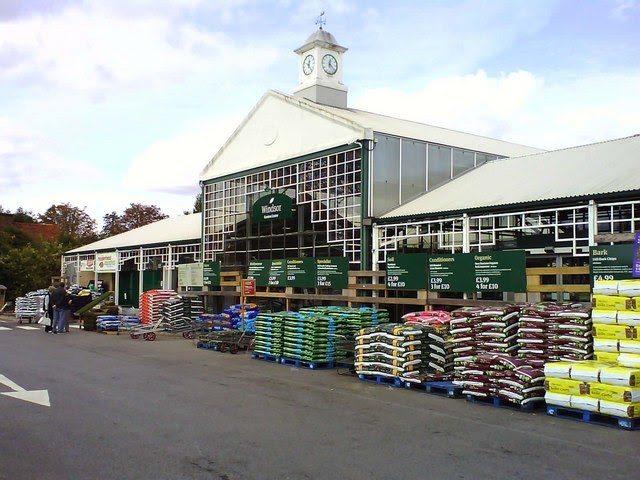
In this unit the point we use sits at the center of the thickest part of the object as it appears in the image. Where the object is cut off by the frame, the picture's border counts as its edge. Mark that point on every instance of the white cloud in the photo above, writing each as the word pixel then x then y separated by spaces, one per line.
pixel 174 164
pixel 520 107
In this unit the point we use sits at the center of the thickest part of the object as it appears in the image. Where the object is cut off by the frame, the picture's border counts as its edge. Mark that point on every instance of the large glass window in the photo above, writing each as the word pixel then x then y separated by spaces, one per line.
pixel 386 174
pixel 463 160
pixel 414 169
pixel 439 170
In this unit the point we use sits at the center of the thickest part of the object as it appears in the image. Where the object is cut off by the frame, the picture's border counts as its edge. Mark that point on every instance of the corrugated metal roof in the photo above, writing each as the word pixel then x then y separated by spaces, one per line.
pixel 588 170
pixel 169 230
pixel 429 133
pixel 301 133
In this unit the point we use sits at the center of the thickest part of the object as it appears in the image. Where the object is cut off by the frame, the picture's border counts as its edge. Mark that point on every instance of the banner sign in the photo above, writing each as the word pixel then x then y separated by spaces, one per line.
pixel 275 206
pixel 636 256
pixel 211 274
pixel 277 274
pixel 301 272
pixel 332 272
pixel 611 262
pixel 407 271
pixel 501 271
pixel 106 262
pixel 259 271
pixel 450 272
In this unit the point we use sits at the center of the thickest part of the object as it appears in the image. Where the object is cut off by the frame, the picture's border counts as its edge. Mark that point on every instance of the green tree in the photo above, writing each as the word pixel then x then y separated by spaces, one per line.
pixel 76 226
pixel 197 205
pixel 135 215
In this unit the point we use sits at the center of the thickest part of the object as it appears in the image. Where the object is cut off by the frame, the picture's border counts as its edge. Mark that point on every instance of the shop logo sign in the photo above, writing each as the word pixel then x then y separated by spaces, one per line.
pixel 276 206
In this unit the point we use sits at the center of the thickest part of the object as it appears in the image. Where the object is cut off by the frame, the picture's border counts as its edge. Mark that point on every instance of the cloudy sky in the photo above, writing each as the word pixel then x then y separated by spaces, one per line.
pixel 104 103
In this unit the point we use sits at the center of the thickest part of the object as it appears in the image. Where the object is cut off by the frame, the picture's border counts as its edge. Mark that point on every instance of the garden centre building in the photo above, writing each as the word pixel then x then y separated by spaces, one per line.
pixel 305 176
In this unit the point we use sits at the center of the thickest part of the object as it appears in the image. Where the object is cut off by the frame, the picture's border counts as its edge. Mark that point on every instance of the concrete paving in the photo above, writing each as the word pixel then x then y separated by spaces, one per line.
pixel 132 409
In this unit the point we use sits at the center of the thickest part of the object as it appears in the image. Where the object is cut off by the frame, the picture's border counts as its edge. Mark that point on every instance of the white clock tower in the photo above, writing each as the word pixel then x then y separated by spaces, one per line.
pixel 320 70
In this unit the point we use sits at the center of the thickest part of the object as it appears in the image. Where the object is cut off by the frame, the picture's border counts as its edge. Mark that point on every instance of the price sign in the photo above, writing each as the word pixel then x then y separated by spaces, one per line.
pixel 610 262
pixel 332 272
pixel 259 271
pixel 450 273
pixel 211 274
pixel 407 271
pixel 301 272
pixel 277 276
pixel 502 271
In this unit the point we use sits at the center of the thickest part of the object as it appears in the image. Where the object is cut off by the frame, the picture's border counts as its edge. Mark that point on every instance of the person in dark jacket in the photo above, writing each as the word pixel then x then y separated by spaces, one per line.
pixel 58 298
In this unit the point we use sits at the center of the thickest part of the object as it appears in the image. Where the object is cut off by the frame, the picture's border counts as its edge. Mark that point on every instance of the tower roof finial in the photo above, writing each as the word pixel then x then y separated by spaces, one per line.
pixel 320 20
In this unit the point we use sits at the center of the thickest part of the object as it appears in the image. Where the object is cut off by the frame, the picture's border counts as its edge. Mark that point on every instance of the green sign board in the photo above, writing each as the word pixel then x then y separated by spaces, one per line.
pixel 277 274
pixel 450 272
pixel 275 206
pixel 502 271
pixel 259 271
pixel 332 272
pixel 301 272
pixel 610 262
pixel 211 274
pixel 407 271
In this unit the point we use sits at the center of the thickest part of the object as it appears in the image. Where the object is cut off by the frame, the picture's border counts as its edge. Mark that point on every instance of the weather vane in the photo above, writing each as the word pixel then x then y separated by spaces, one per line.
pixel 320 21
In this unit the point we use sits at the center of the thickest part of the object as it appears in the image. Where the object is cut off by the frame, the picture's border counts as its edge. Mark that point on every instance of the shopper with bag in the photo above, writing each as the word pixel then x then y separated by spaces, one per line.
pixel 47 317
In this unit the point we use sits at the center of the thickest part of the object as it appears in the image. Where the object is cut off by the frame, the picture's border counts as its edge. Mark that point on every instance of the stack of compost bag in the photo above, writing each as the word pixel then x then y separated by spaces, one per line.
pixel 555 331
pixel 616 321
pixel 477 330
pixel 311 337
pixel 150 305
pixel 437 347
pixel 269 333
pixel 501 376
pixel 353 318
pixel 391 350
pixel 594 386
pixel 243 316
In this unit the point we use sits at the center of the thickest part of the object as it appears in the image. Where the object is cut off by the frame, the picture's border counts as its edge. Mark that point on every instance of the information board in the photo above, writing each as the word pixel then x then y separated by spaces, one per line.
pixel 407 271
pixel 332 272
pixel 301 272
pixel 277 274
pixel 190 274
pixel 259 271
pixel 610 262
pixel 503 271
pixel 450 273
pixel 211 274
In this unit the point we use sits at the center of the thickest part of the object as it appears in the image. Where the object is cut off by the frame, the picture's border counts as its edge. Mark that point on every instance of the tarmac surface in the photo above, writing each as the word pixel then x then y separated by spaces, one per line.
pixel 132 409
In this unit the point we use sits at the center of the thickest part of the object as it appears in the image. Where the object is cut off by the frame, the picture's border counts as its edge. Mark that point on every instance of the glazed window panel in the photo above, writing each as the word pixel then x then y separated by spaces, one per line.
pixel 439 165
pixel 463 160
pixel 386 174
pixel 414 169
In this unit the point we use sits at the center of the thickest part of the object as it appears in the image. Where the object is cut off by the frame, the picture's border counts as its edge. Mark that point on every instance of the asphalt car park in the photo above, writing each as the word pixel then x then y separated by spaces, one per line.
pixel 118 408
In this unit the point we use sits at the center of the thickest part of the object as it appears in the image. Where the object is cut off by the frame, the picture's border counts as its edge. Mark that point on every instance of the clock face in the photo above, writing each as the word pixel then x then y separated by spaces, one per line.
pixel 308 64
pixel 329 64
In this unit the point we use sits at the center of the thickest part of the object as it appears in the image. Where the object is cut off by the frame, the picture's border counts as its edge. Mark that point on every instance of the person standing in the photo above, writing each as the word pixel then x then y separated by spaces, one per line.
pixel 66 308
pixel 58 298
pixel 47 306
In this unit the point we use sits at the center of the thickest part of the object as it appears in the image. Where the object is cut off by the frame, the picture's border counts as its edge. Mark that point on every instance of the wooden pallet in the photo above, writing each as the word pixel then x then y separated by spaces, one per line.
pixel 502 403
pixel 447 389
pixel 594 417
pixel 381 380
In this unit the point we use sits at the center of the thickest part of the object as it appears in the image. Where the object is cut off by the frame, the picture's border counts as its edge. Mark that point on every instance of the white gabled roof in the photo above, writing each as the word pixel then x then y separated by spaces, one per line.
pixel 281 127
pixel 584 171
pixel 179 229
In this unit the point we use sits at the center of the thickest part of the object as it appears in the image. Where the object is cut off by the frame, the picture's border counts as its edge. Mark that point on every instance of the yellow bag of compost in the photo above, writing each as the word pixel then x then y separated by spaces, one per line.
pixel 614 331
pixel 627 410
pixel 613 302
pixel 565 386
pixel 606 357
pixel 614 393
pixel 617 375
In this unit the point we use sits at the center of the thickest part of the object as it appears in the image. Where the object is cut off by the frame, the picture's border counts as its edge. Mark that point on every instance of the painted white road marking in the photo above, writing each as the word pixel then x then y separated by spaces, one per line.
pixel 41 397
pixel 26 327
pixel 4 328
